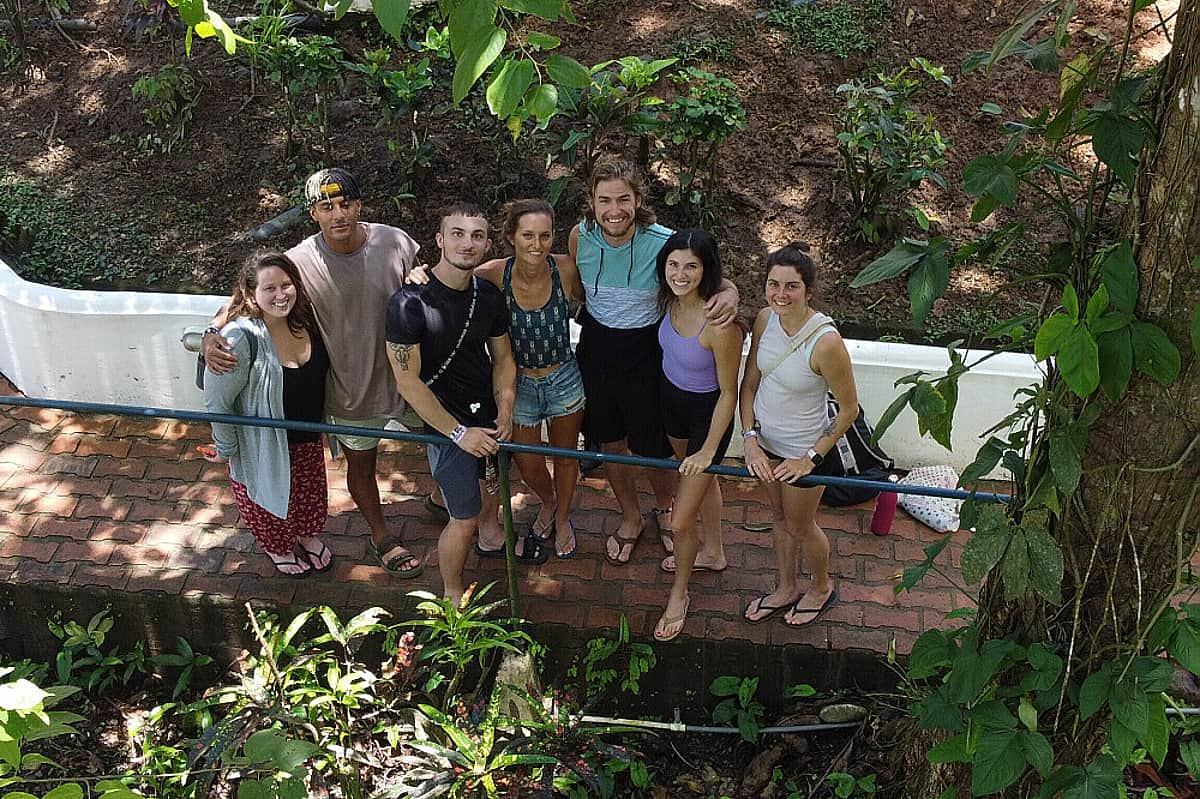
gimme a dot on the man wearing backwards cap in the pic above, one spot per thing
(350, 269)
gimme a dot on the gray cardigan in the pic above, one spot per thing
(258, 456)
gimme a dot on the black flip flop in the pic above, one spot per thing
(534, 553)
(314, 558)
(770, 609)
(438, 512)
(829, 601)
(295, 561)
(393, 563)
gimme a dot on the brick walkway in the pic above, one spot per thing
(126, 503)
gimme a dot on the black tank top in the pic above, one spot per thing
(304, 391)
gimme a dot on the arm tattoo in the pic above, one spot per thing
(828, 431)
(401, 353)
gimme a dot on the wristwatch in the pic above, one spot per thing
(211, 329)
(747, 434)
(815, 457)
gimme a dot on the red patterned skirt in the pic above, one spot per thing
(308, 505)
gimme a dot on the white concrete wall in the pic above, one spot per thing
(124, 348)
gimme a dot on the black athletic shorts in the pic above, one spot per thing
(621, 370)
(827, 467)
(688, 415)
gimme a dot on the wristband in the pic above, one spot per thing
(458, 434)
(212, 329)
(749, 434)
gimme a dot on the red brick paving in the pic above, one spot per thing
(126, 503)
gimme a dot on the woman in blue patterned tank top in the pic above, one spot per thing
(538, 288)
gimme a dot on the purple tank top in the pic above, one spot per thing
(686, 364)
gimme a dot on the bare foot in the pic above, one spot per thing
(565, 543)
(620, 545)
(810, 606)
(672, 621)
(763, 607)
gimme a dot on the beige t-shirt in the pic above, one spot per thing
(350, 295)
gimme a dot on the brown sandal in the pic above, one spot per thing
(622, 542)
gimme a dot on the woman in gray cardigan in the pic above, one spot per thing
(278, 476)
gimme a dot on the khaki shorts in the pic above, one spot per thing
(362, 443)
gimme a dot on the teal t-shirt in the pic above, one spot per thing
(621, 283)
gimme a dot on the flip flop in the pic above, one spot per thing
(295, 561)
(666, 536)
(770, 609)
(533, 552)
(621, 542)
(680, 619)
(574, 547)
(699, 567)
(797, 609)
(315, 556)
(544, 534)
(397, 559)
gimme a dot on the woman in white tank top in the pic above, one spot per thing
(796, 355)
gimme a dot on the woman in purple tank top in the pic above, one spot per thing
(698, 399)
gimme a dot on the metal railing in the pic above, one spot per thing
(503, 459)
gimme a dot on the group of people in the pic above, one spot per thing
(347, 327)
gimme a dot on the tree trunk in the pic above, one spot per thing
(1136, 514)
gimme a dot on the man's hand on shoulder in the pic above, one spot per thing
(722, 307)
(218, 355)
(418, 275)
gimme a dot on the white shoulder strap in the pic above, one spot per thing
(814, 324)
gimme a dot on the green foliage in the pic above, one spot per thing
(887, 149)
(307, 71)
(696, 50)
(838, 27)
(846, 785)
(695, 126)
(608, 659)
(738, 705)
(169, 95)
(611, 99)
(26, 715)
(10, 55)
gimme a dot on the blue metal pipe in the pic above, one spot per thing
(507, 446)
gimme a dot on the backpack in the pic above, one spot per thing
(854, 456)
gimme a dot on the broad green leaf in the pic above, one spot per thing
(1189, 753)
(509, 85)
(991, 108)
(1100, 780)
(1043, 55)
(1115, 350)
(568, 72)
(926, 400)
(1079, 361)
(998, 762)
(1113, 320)
(543, 101)
(1096, 306)
(889, 416)
(1066, 460)
(21, 695)
(1195, 329)
(69, 791)
(986, 545)
(1044, 495)
(984, 207)
(1037, 751)
(937, 712)
(974, 61)
(1014, 567)
(951, 750)
(546, 9)
(1158, 732)
(469, 23)
(1094, 692)
(1045, 557)
(1185, 646)
(392, 14)
(987, 174)
(1051, 335)
(892, 263)
(930, 652)
(543, 41)
(256, 789)
(1009, 42)
(1027, 713)
(926, 283)
(985, 460)
(1153, 353)
(1127, 699)
(1117, 141)
(475, 60)
(725, 685)
(1075, 77)
(1119, 274)
(1070, 302)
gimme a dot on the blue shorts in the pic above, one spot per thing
(457, 473)
(559, 393)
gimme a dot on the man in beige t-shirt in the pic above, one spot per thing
(350, 269)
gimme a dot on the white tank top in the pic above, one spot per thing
(789, 405)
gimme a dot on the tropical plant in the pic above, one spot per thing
(738, 705)
(609, 661)
(169, 95)
(308, 71)
(887, 148)
(695, 126)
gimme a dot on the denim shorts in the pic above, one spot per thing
(559, 393)
(457, 473)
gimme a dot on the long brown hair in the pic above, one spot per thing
(610, 168)
(300, 318)
(514, 210)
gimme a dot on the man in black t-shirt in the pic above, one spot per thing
(440, 335)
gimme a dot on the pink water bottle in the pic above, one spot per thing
(885, 511)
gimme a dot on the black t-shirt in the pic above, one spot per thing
(304, 390)
(433, 316)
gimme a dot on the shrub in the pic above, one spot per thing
(888, 148)
(170, 95)
(839, 27)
